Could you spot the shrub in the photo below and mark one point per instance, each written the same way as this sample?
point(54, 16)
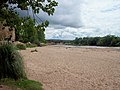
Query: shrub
point(37, 42)
point(21, 46)
point(11, 63)
point(30, 45)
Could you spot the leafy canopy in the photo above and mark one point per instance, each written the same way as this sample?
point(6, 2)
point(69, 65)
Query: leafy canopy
point(10, 16)
point(26, 30)
point(47, 6)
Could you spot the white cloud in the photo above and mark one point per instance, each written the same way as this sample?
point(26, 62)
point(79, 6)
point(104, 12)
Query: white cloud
point(98, 17)
point(103, 15)
point(70, 33)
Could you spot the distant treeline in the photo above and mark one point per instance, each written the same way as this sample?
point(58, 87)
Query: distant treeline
point(109, 40)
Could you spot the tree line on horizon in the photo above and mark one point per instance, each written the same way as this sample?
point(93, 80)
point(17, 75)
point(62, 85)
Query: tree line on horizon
point(108, 40)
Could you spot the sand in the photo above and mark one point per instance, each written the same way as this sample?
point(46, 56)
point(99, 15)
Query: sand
point(61, 68)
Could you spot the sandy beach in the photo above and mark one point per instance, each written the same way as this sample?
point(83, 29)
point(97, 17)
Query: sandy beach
point(65, 68)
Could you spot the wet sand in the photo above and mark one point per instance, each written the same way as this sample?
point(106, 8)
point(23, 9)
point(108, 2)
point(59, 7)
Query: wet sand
point(66, 68)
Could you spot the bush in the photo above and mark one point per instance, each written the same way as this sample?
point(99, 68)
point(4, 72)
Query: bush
point(11, 63)
point(21, 46)
point(30, 45)
point(37, 42)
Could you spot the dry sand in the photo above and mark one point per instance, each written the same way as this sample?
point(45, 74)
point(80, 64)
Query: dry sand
point(60, 68)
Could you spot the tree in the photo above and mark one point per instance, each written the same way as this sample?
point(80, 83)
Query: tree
point(45, 5)
point(6, 13)
point(25, 29)
point(93, 41)
point(28, 32)
point(76, 41)
point(106, 41)
point(109, 40)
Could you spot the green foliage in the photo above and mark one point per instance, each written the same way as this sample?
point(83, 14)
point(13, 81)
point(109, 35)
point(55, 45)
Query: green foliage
point(47, 6)
point(109, 40)
point(10, 17)
point(105, 41)
point(40, 32)
point(76, 41)
point(29, 85)
point(28, 32)
point(23, 84)
point(21, 46)
point(11, 64)
point(93, 41)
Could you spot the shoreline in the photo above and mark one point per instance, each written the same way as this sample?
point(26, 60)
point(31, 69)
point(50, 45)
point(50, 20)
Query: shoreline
point(72, 46)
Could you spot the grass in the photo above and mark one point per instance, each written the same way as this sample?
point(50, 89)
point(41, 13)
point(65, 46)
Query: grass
point(12, 71)
point(11, 62)
point(23, 84)
point(21, 46)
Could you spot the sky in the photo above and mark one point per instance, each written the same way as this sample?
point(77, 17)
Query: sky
point(83, 18)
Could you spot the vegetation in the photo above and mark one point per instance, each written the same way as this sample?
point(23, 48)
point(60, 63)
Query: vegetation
point(28, 32)
point(45, 5)
point(11, 63)
point(109, 40)
point(21, 46)
point(30, 45)
point(23, 84)
point(26, 29)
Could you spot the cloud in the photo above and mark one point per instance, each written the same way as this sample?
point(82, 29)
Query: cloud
point(92, 15)
point(67, 14)
point(79, 18)
point(70, 33)
point(97, 17)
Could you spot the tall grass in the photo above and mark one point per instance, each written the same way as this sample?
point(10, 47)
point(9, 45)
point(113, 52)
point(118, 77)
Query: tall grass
point(11, 63)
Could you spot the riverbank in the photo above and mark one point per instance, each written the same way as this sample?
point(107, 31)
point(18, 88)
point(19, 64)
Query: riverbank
point(61, 68)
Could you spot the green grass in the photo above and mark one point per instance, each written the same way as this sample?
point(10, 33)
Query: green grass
point(12, 71)
point(23, 84)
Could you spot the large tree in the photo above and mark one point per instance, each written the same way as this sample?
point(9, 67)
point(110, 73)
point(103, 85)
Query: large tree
point(11, 18)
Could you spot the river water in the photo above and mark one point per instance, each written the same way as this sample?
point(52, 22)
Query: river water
point(70, 46)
